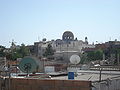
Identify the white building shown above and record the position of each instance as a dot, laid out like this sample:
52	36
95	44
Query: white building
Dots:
64	47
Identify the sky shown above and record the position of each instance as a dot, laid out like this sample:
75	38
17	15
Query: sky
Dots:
29	21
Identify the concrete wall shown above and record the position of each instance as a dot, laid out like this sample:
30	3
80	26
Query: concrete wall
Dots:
109	84
66	55
37	84
49	69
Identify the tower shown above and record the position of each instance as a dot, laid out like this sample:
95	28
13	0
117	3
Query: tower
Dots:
86	40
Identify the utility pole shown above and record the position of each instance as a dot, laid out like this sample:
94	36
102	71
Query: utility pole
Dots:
100	73
118	58
103	56
100	78
9	69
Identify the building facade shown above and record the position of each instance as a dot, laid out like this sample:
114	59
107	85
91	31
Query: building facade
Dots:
64	47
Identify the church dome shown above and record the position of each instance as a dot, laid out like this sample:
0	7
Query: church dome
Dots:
68	36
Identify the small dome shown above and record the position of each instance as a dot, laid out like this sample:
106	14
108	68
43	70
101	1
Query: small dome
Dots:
58	41
68	36
44	39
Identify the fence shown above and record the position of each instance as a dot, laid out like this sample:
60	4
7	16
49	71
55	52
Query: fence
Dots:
106	68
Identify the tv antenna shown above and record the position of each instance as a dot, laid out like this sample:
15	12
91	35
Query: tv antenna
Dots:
75	59
28	65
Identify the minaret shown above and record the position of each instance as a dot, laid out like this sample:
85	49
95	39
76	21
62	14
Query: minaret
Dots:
86	40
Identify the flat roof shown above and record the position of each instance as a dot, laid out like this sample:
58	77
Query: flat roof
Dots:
90	76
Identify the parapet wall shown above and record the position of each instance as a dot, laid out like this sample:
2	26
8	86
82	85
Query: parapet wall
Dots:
38	84
108	84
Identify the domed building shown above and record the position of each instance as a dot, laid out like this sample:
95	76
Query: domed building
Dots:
68	46
65	47
67	36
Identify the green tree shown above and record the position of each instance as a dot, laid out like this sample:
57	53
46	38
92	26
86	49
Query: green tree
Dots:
98	54
49	52
16	54
20	52
93	55
24	51
112	53
2	53
84	58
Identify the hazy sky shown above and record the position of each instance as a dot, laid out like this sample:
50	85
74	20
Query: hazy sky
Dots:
27	21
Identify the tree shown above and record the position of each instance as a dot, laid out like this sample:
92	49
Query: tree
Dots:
112	53
92	55
98	54
49	52
24	51
2	53
20	52
84	58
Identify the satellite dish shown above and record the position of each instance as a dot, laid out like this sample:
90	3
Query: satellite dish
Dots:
74	59
28	65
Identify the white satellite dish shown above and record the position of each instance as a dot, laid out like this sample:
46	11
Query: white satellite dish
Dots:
74	59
